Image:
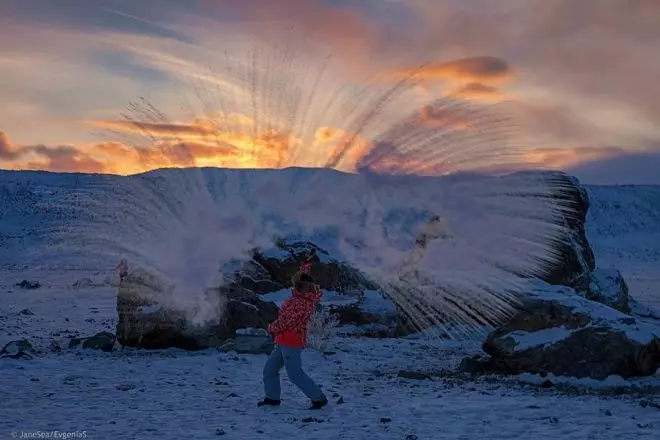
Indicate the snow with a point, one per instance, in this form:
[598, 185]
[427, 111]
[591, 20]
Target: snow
[168, 394]
[375, 303]
[548, 336]
[642, 330]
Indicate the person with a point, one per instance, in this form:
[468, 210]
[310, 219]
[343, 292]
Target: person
[290, 332]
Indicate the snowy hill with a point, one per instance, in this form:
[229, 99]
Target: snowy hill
[623, 227]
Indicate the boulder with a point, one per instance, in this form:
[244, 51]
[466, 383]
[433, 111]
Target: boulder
[252, 276]
[576, 256]
[29, 285]
[605, 286]
[558, 331]
[370, 315]
[148, 318]
[282, 262]
[104, 341]
[21, 349]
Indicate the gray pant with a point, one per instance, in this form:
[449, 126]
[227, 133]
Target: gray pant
[290, 358]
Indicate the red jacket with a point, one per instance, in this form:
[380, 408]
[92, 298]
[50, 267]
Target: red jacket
[290, 327]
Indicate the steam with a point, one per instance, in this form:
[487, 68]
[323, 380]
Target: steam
[458, 261]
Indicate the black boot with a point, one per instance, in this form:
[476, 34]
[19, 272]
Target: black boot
[269, 402]
[319, 404]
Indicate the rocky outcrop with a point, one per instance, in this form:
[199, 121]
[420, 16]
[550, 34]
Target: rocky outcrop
[104, 341]
[271, 270]
[606, 286]
[576, 258]
[21, 349]
[369, 315]
[28, 285]
[148, 318]
[557, 331]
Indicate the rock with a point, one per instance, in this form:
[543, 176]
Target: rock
[473, 365]
[21, 349]
[26, 312]
[576, 256]
[282, 262]
[413, 375]
[104, 341]
[557, 331]
[252, 276]
[25, 284]
[605, 286]
[638, 309]
[250, 341]
[369, 315]
[144, 320]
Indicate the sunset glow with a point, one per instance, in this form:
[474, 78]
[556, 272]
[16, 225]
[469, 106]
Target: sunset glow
[69, 73]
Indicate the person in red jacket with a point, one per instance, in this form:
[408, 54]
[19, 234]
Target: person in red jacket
[290, 332]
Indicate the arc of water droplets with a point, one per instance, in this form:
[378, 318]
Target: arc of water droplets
[291, 103]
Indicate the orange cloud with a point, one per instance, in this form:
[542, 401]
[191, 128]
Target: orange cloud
[120, 158]
[478, 91]
[206, 139]
[483, 69]
[561, 158]
[442, 116]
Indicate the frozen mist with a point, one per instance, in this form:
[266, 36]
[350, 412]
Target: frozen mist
[285, 103]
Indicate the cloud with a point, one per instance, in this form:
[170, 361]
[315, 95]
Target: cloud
[482, 69]
[336, 24]
[478, 91]
[121, 158]
[560, 158]
[580, 71]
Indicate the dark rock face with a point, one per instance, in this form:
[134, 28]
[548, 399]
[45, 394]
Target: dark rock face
[146, 322]
[606, 286]
[576, 256]
[557, 331]
[282, 263]
[21, 349]
[104, 341]
[28, 285]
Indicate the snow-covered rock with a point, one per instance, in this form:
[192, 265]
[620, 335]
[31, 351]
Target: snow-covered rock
[17, 349]
[558, 331]
[149, 318]
[606, 286]
[104, 341]
[282, 262]
[577, 256]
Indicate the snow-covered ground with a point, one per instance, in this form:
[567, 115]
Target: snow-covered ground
[173, 394]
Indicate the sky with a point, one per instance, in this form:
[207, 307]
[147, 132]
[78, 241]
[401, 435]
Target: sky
[579, 77]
